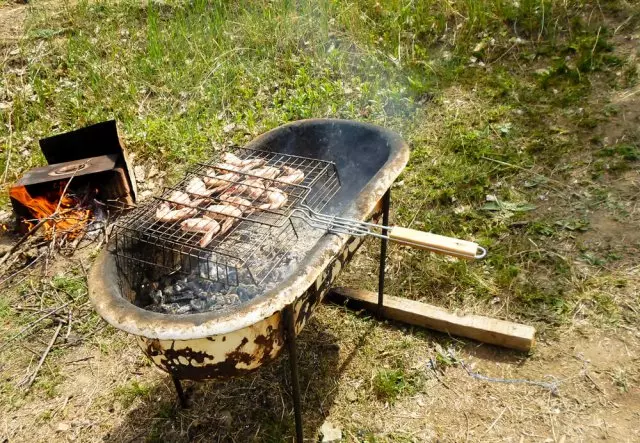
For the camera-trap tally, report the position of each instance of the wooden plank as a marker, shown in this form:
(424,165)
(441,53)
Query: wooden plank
(484,329)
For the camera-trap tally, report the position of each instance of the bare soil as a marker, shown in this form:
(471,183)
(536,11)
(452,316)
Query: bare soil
(11,22)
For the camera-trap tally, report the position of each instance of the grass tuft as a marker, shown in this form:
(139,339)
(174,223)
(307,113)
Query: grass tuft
(389,384)
(130,392)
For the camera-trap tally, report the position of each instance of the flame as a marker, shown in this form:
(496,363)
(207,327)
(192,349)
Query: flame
(61,211)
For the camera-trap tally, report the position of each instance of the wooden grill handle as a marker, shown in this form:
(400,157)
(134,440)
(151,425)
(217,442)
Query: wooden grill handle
(436,243)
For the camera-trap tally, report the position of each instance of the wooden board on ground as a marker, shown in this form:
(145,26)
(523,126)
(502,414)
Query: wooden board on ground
(484,329)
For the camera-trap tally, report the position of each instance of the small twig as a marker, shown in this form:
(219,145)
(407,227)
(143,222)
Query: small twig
(511,165)
(31,325)
(622,24)
(64,191)
(552,386)
(69,321)
(6,164)
(95,331)
(593,50)
(79,360)
(503,54)
(20,270)
(44,356)
(22,240)
(495,421)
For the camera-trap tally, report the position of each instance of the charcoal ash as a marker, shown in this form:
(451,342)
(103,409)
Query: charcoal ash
(219,288)
(192,294)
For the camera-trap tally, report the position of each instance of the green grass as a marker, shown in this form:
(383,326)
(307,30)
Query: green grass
(5,310)
(482,90)
(128,393)
(389,384)
(74,286)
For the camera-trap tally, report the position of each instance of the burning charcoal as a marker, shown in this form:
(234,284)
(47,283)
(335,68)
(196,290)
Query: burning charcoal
(183,309)
(247,292)
(155,308)
(243,294)
(198,305)
(211,302)
(194,285)
(188,293)
(215,287)
(233,299)
(170,308)
(157,297)
(166,281)
(224,274)
(182,298)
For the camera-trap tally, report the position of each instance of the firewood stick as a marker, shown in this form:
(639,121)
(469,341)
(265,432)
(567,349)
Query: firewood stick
(44,356)
(22,240)
(8,158)
(32,324)
(69,320)
(18,272)
(38,225)
(64,191)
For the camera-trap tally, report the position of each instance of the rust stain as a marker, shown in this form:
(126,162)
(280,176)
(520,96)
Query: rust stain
(268,344)
(154,348)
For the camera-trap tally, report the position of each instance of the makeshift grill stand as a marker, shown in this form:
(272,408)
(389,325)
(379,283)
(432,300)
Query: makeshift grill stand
(368,158)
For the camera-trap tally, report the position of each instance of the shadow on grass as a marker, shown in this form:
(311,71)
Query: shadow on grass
(258,407)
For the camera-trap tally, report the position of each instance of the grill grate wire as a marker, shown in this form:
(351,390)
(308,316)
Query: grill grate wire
(257,240)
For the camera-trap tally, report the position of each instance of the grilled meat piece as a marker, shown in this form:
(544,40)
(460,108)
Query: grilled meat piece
(197,187)
(275,199)
(206,226)
(215,180)
(291,176)
(234,160)
(240,202)
(165,214)
(223,211)
(252,187)
(226,225)
(179,199)
(265,172)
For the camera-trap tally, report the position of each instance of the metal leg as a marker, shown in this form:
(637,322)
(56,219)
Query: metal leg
(180,391)
(386,200)
(293,365)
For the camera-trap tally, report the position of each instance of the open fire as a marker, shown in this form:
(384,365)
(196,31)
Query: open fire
(88,174)
(59,212)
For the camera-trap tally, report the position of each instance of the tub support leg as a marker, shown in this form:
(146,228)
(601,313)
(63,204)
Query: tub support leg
(290,322)
(180,391)
(386,202)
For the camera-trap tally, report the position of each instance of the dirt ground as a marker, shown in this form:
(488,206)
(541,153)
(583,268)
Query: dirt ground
(595,372)
(11,22)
